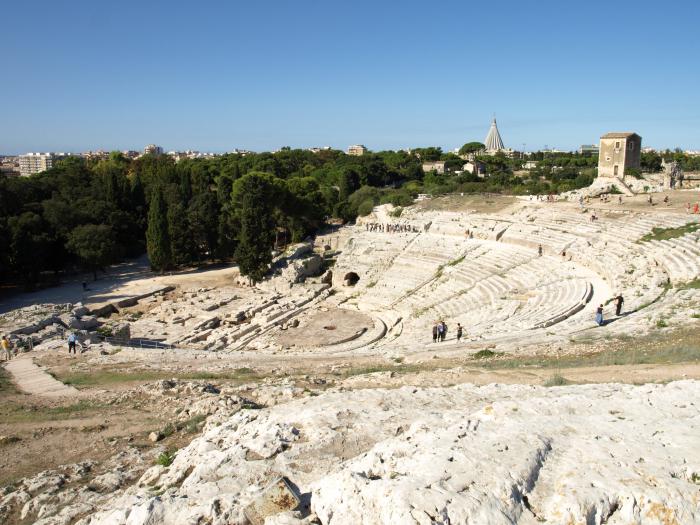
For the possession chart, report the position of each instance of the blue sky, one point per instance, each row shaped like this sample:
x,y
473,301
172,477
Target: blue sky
x,y
214,76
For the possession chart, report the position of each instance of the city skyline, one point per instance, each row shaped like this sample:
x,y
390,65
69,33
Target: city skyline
x,y
266,76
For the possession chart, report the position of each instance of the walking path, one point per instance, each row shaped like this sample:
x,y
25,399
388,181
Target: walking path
x,y
32,379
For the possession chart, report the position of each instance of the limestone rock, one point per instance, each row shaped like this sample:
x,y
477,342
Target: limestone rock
x,y
496,454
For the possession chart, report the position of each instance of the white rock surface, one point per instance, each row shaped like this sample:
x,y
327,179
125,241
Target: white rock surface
x,y
588,454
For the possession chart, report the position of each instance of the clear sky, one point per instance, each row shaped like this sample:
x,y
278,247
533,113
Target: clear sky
x,y
218,75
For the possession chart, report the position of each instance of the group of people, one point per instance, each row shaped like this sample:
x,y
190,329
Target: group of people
x,y
618,300
390,228
440,332
547,198
696,208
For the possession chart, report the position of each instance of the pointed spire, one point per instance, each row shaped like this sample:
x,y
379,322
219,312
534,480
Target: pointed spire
x,y
493,140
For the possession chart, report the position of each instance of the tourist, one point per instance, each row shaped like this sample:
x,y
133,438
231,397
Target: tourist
x,y
435,333
72,340
650,201
6,348
619,199
459,332
599,315
696,208
539,250
443,330
439,331
687,207
619,301
666,201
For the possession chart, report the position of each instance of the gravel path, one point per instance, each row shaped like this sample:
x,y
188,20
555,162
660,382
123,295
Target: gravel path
x,y
32,379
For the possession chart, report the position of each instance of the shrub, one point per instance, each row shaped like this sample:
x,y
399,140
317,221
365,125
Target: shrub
x,y
485,354
165,458
556,380
365,208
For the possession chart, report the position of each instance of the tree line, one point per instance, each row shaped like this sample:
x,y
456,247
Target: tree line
x,y
85,214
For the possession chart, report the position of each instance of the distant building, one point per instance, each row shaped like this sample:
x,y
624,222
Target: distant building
x,y
475,168
618,153
319,150
589,149
357,150
9,165
530,164
493,141
437,166
32,163
95,155
152,149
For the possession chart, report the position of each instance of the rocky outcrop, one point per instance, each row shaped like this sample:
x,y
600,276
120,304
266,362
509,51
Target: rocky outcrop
x,y
495,454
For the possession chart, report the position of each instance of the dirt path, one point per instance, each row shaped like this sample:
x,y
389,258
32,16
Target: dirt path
x,y
32,379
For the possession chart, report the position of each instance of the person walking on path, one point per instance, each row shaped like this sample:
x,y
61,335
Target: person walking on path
x,y
435,333
539,250
72,340
443,332
6,348
459,332
599,315
619,301
440,332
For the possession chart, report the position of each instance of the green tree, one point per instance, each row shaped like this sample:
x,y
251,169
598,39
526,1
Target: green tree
x,y
157,235
94,244
348,183
29,245
253,198
471,148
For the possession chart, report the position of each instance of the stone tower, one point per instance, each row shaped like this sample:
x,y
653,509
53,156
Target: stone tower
x,y
618,153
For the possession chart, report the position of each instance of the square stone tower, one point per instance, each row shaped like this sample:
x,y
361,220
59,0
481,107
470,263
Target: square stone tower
x,y
618,152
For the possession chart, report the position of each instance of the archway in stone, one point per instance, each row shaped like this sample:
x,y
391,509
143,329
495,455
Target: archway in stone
x,y
351,279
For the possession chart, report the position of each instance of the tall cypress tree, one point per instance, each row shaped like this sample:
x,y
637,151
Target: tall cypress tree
x,y
157,236
254,198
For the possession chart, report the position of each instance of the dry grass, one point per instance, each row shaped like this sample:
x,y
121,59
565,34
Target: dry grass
x,y
116,376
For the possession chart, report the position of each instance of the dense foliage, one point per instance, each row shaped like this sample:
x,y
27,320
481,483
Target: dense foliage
x,y
83,214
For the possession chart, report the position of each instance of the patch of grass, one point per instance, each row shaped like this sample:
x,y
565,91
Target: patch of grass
x,y
556,380
685,352
395,368
6,384
661,323
485,354
456,261
695,316
17,413
165,458
396,212
438,272
107,377
688,285
662,234
192,424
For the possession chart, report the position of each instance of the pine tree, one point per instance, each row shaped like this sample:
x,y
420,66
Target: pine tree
x,y
157,236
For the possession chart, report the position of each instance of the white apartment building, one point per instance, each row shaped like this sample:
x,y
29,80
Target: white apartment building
x,y
32,163
152,149
357,149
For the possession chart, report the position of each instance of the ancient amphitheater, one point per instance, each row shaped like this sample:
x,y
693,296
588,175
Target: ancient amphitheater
x,y
412,438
